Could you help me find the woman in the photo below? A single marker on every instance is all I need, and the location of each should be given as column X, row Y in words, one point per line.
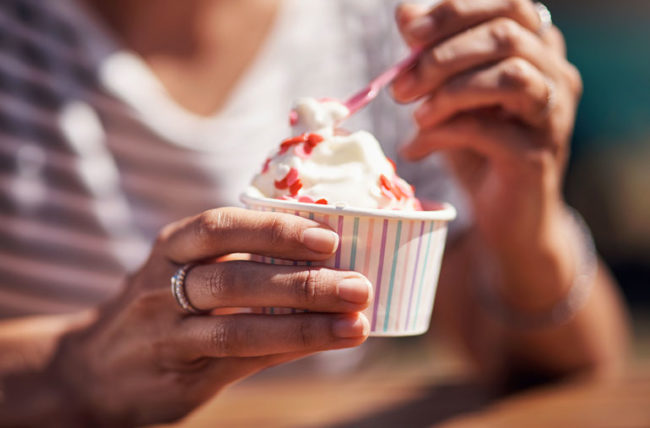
column 122, row 117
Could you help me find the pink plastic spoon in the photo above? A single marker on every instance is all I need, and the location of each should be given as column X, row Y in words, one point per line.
column 359, row 100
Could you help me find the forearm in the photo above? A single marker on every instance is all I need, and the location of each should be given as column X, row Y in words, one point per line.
column 594, row 339
column 30, row 391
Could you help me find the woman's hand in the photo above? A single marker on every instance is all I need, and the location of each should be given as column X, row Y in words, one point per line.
column 499, row 98
column 145, row 361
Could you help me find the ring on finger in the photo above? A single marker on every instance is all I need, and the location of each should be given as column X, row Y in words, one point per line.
column 178, row 290
column 545, row 17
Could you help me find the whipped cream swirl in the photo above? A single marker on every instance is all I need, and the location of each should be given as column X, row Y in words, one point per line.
column 320, row 164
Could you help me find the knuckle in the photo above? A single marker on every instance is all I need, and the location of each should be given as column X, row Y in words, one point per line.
column 277, row 230
column 218, row 282
column 210, row 222
column 539, row 160
column 223, row 339
column 575, row 79
column 506, row 34
column 307, row 286
column 439, row 57
column 449, row 11
column 516, row 7
column 164, row 234
column 515, row 75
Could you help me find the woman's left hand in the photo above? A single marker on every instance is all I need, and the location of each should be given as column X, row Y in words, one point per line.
column 499, row 97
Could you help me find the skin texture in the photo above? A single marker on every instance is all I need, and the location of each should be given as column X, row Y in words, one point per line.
column 484, row 81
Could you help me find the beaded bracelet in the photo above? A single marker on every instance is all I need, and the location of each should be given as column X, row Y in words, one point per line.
column 560, row 312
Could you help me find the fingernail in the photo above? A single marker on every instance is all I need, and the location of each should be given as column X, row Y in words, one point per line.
column 421, row 28
column 346, row 328
column 354, row 289
column 320, row 240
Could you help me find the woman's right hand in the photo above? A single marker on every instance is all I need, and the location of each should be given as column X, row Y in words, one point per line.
column 146, row 361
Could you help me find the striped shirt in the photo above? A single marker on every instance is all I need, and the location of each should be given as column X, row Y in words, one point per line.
column 95, row 157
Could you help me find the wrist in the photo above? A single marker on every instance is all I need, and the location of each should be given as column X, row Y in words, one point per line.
column 515, row 313
column 31, row 390
column 74, row 372
column 538, row 271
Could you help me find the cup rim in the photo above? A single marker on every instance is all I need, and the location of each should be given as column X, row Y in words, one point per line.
column 446, row 213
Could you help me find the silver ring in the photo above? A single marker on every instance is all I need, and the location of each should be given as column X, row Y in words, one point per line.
column 178, row 290
column 544, row 16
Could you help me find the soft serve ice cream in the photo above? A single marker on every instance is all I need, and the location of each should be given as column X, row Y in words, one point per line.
column 320, row 165
column 384, row 235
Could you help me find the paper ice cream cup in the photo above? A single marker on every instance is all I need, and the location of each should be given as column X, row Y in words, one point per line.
column 398, row 251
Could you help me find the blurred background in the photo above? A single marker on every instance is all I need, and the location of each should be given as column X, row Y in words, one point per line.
column 608, row 178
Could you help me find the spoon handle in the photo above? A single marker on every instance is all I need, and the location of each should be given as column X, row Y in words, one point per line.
column 367, row 94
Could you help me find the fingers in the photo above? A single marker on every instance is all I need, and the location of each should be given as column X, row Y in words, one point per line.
column 250, row 284
column 513, row 84
column 482, row 134
column 420, row 27
column 490, row 42
column 554, row 38
column 257, row 335
column 233, row 230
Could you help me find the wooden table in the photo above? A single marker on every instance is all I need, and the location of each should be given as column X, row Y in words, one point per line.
column 412, row 394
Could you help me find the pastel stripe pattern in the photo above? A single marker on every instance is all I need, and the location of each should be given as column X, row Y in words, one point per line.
column 401, row 258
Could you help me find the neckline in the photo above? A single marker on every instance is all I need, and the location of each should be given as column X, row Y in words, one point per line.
column 146, row 96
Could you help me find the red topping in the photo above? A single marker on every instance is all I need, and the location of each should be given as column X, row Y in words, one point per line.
column 322, row 201
column 392, row 162
column 303, row 151
column 387, row 193
column 314, row 139
column 293, row 118
column 310, row 140
column 294, row 140
column 290, row 179
column 286, row 144
column 306, row 199
column 295, row 187
column 387, row 188
column 384, row 181
column 403, row 188
column 266, row 165
column 292, row 176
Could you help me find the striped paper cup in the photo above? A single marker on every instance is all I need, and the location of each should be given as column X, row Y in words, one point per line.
column 398, row 251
